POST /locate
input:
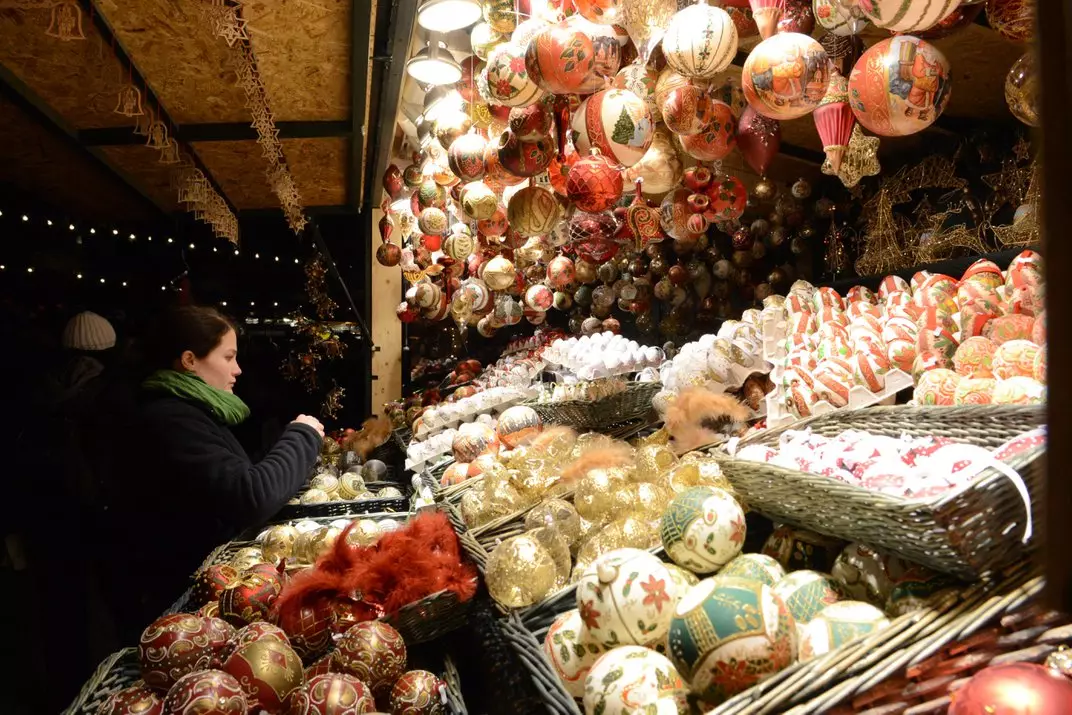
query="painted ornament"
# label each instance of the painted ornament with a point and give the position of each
(899, 86)
(601, 12)
(727, 198)
(525, 158)
(269, 672)
(755, 567)
(659, 169)
(533, 211)
(332, 694)
(834, 119)
(838, 624)
(786, 76)
(432, 221)
(685, 105)
(532, 122)
(759, 140)
(626, 596)
(839, 18)
(1013, 19)
(509, 82)
(702, 529)
(539, 297)
(594, 183)
(374, 653)
(615, 121)
(479, 202)
(729, 633)
(717, 139)
(517, 425)
(700, 41)
(906, 16)
(640, 79)
(459, 246)
(137, 699)
(502, 14)
(212, 692)
(633, 678)
(560, 272)
(466, 156)
(418, 692)
(559, 59)
(806, 593)
(570, 651)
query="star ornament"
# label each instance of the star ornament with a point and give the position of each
(860, 160)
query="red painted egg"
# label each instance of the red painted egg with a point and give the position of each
(728, 196)
(418, 692)
(250, 598)
(138, 699)
(258, 630)
(309, 629)
(206, 692)
(466, 156)
(525, 158)
(210, 582)
(209, 610)
(531, 122)
(320, 666)
(269, 672)
(176, 645)
(686, 107)
(594, 183)
(717, 138)
(559, 59)
(372, 652)
(560, 272)
(332, 694)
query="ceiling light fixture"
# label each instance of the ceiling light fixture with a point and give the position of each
(434, 65)
(448, 15)
(439, 100)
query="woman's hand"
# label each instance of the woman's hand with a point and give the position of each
(311, 421)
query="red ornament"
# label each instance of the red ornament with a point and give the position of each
(206, 692)
(728, 196)
(678, 274)
(697, 178)
(687, 108)
(594, 183)
(797, 17)
(466, 157)
(834, 119)
(1014, 689)
(393, 182)
(258, 630)
(697, 223)
(210, 582)
(495, 174)
(718, 136)
(250, 598)
(175, 645)
(494, 226)
(532, 122)
(466, 86)
(432, 242)
(389, 254)
(525, 158)
(209, 610)
(759, 139)
(386, 229)
(558, 171)
(742, 239)
(332, 694)
(418, 692)
(374, 653)
(559, 59)
(321, 666)
(269, 672)
(136, 700)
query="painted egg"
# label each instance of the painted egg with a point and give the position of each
(137, 699)
(937, 387)
(703, 529)
(509, 82)
(206, 691)
(374, 653)
(974, 357)
(466, 156)
(866, 575)
(210, 582)
(626, 596)
(806, 593)
(717, 137)
(1025, 270)
(479, 439)
(918, 588)
(728, 196)
(900, 85)
(720, 653)
(640, 79)
(833, 380)
(615, 121)
(901, 353)
(1019, 391)
(1014, 358)
(1009, 327)
(786, 76)
(870, 367)
(533, 211)
(907, 16)
(801, 549)
(838, 624)
(570, 651)
(629, 678)
(603, 12)
(700, 41)
(594, 183)
(517, 425)
(755, 567)
(559, 59)
(975, 391)
(418, 692)
(838, 19)
(525, 158)
(269, 672)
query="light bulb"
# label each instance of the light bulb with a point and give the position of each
(448, 15)
(434, 65)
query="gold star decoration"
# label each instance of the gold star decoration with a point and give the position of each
(860, 160)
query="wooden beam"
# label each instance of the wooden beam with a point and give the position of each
(403, 17)
(227, 131)
(360, 43)
(16, 90)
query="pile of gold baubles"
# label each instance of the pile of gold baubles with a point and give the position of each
(328, 485)
(610, 508)
(305, 541)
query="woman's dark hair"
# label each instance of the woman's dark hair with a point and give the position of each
(192, 328)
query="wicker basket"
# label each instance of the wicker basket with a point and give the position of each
(967, 532)
(632, 403)
(347, 507)
(122, 669)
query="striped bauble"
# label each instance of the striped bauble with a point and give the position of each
(700, 41)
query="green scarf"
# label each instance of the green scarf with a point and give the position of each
(226, 406)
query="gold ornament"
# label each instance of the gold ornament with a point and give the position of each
(600, 493)
(859, 160)
(559, 549)
(626, 532)
(520, 572)
(764, 189)
(1028, 229)
(279, 543)
(653, 460)
(1022, 90)
(557, 514)
(66, 21)
(365, 533)
(246, 557)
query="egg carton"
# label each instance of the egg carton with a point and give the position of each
(859, 397)
(772, 331)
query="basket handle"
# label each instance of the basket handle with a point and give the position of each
(988, 460)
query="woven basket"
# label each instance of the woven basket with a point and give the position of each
(632, 403)
(347, 507)
(967, 532)
(122, 669)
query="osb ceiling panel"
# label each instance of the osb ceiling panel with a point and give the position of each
(980, 58)
(303, 52)
(141, 165)
(238, 167)
(187, 66)
(319, 169)
(80, 80)
(41, 162)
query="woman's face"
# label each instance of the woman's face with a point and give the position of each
(220, 367)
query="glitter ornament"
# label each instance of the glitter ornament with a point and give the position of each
(210, 582)
(136, 699)
(594, 183)
(1013, 19)
(332, 694)
(269, 672)
(785, 76)
(466, 156)
(520, 572)
(374, 653)
(418, 692)
(533, 211)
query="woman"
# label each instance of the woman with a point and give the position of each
(194, 487)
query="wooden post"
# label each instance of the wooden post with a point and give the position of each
(386, 290)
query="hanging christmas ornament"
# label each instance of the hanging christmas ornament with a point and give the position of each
(905, 16)
(532, 122)
(560, 272)
(509, 82)
(496, 224)
(834, 119)
(602, 12)
(431, 195)
(686, 108)
(764, 190)
(640, 79)
(451, 124)
(899, 86)
(525, 158)
(767, 13)
(797, 17)
(559, 59)
(615, 121)
(392, 182)
(533, 211)
(607, 48)
(839, 18)
(645, 21)
(495, 174)
(963, 16)
(526, 32)
(727, 196)
(466, 156)
(786, 75)
(594, 183)
(700, 41)
(1013, 19)
(758, 139)
(718, 137)
(1022, 90)
(674, 212)
(483, 39)
(539, 297)
(502, 15)
(478, 201)
(459, 245)
(432, 220)
(660, 168)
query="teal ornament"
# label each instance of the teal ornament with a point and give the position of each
(702, 529)
(757, 567)
(728, 634)
(920, 588)
(839, 624)
(806, 593)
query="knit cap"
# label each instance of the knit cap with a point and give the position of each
(88, 331)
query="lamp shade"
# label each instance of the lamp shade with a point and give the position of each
(433, 65)
(448, 15)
